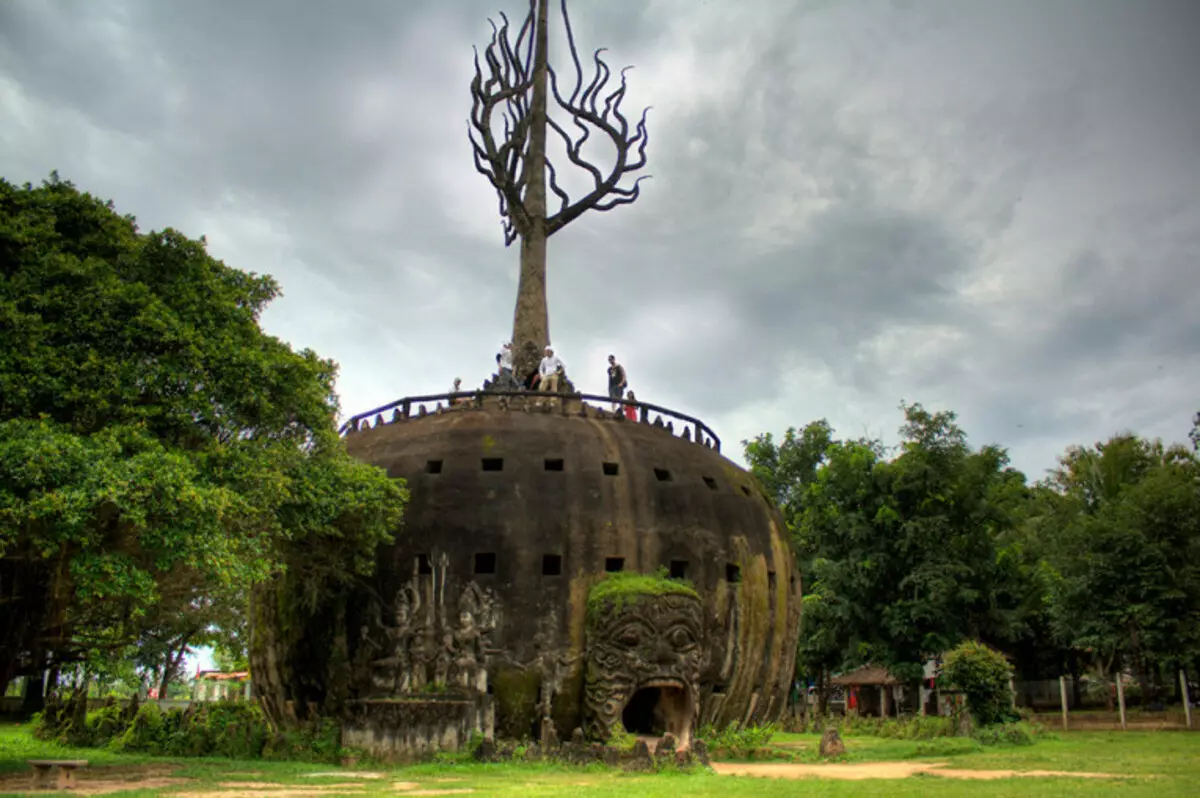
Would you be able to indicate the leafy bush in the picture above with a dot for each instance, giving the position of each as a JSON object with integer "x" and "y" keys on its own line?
{"x": 914, "y": 728}
{"x": 619, "y": 738}
{"x": 918, "y": 728}
{"x": 219, "y": 728}
{"x": 738, "y": 742}
{"x": 946, "y": 746}
{"x": 983, "y": 675}
{"x": 1019, "y": 733}
{"x": 811, "y": 723}
{"x": 104, "y": 724}
{"x": 319, "y": 743}
{"x": 148, "y": 732}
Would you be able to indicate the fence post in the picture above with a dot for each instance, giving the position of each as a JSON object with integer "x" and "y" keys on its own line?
{"x": 1121, "y": 700}
{"x": 1187, "y": 702}
{"x": 1062, "y": 694}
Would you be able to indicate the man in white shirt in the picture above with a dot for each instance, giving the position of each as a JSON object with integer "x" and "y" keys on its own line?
{"x": 506, "y": 380}
{"x": 548, "y": 369}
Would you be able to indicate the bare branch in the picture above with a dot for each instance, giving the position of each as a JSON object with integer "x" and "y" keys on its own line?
{"x": 505, "y": 84}
{"x": 506, "y": 88}
{"x": 587, "y": 115}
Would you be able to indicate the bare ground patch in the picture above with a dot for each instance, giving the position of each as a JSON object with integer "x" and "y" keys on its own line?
{"x": 99, "y": 781}
{"x": 290, "y": 792}
{"x": 885, "y": 770}
{"x": 955, "y": 773}
{"x": 267, "y": 785}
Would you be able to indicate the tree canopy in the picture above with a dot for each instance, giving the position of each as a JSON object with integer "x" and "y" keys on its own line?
{"x": 158, "y": 450}
{"x": 906, "y": 553}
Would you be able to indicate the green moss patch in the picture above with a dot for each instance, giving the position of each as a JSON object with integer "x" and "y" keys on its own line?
{"x": 516, "y": 702}
{"x": 621, "y": 589}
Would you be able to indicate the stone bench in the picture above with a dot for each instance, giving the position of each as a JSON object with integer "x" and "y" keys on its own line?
{"x": 43, "y": 768}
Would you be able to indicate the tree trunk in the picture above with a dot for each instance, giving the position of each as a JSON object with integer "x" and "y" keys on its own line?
{"x": 531, "y": 325}
{"x": 823, "y": 688}
{"x": 35, "y": 692}
{"x": 1140, "y": 666}
{"x": 171, "y": 667}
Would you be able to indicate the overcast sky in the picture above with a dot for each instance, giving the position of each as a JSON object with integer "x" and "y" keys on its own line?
{"x": 988, "y": 207}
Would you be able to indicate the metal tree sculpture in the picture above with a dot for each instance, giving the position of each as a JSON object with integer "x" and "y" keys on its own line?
{"x": 518, "y": 74}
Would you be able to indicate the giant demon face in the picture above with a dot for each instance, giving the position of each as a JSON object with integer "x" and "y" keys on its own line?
{"x": 651, "y": 648}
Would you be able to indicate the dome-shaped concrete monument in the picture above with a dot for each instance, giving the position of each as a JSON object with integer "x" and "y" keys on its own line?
{"x": 603, "y": 570}
{"x": 559, "y": 566}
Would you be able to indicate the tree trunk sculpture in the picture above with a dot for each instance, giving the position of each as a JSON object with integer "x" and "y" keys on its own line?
{"x": 519, "y": 83}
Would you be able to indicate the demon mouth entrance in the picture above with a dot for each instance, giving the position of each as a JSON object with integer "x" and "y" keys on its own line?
{"x": 653, "y": 711}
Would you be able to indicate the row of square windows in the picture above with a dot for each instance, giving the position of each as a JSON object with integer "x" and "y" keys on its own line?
{"x": 556, "y": 464}
{"x": 485, "y": 564}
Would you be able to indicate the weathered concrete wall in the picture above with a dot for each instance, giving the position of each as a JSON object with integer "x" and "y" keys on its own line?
{"x": 505, "y": 498}
{"x": 409, "y": 729}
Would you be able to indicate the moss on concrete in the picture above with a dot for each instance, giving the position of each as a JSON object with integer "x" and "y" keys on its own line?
{"x": 516, "y": 702}
{"x": 618, "y": 590}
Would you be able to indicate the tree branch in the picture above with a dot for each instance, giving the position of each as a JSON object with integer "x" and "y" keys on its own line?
{"x": 583, "y": 106}
{"x": 509, "y": 80}
{"x": 507, "y": 88}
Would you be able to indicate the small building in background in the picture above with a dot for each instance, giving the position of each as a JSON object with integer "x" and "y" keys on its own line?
{"x": 221, "y": 686}
{"x": 870, "y": 691}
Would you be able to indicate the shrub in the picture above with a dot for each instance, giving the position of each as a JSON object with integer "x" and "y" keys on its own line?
{"x": 738, "y": 742}
{"x": 147, "y": 732}
{"x": 908, "y": 728}
{"x": 918, "y": 728}
{"x": 983, "y": 675}
{"x": 104, "y": 724}
{"x": 811, "y": 723}
{"x": 220, "y": 728}
{"x": 1019, "y": 733}
{"x": 317, "y": 743}
{"x": 946, "y": 746}
{"x": 619, "y": 738}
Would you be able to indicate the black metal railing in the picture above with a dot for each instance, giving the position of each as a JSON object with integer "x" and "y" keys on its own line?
{"x": 410, "y": 407}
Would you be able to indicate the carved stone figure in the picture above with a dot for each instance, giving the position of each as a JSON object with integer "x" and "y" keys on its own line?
{"x": 467, "y": 653}
{"x": 478, "y": 617}
{"x": 550, "y": 663}
{"x": 364, "y": 662}
{"x": 392, "y": 673}
{"x": 443, "y": 657}
{"x": 649, "y": 649}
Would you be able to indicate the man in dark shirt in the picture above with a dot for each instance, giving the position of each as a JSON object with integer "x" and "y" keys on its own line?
{"x": 616, "y": 380}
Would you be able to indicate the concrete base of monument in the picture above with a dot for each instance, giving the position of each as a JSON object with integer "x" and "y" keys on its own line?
{"x": 409, "y": 728}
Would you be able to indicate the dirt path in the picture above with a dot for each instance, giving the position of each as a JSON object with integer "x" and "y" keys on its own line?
{"x": 884, "y": 770}
{"x": 102, "y": 780}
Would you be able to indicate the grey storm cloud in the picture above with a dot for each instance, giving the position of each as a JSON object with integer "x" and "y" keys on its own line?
{"x": 985, "y": 207}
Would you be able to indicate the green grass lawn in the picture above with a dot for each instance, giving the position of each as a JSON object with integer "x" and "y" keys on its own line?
{"x": 1153, "y": 763}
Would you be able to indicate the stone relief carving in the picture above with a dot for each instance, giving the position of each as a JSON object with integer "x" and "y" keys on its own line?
{"x": 429, "y": 643}
{"x": 551, "y": 663}
{"x": 653, "y": 642}
{"x": 393, "y": 673}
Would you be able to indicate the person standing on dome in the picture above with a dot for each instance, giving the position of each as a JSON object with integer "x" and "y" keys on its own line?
{"x": 617, "y": 383}
{"x": 548, "y": 371}
{"x": 506, "y": 381}
{"x": 631, "y": 411}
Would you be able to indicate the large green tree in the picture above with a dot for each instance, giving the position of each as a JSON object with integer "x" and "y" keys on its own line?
{"x": 902, "y": 556}
{"x": 1125, "y": 555}
{"x": 157, "y": 448}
